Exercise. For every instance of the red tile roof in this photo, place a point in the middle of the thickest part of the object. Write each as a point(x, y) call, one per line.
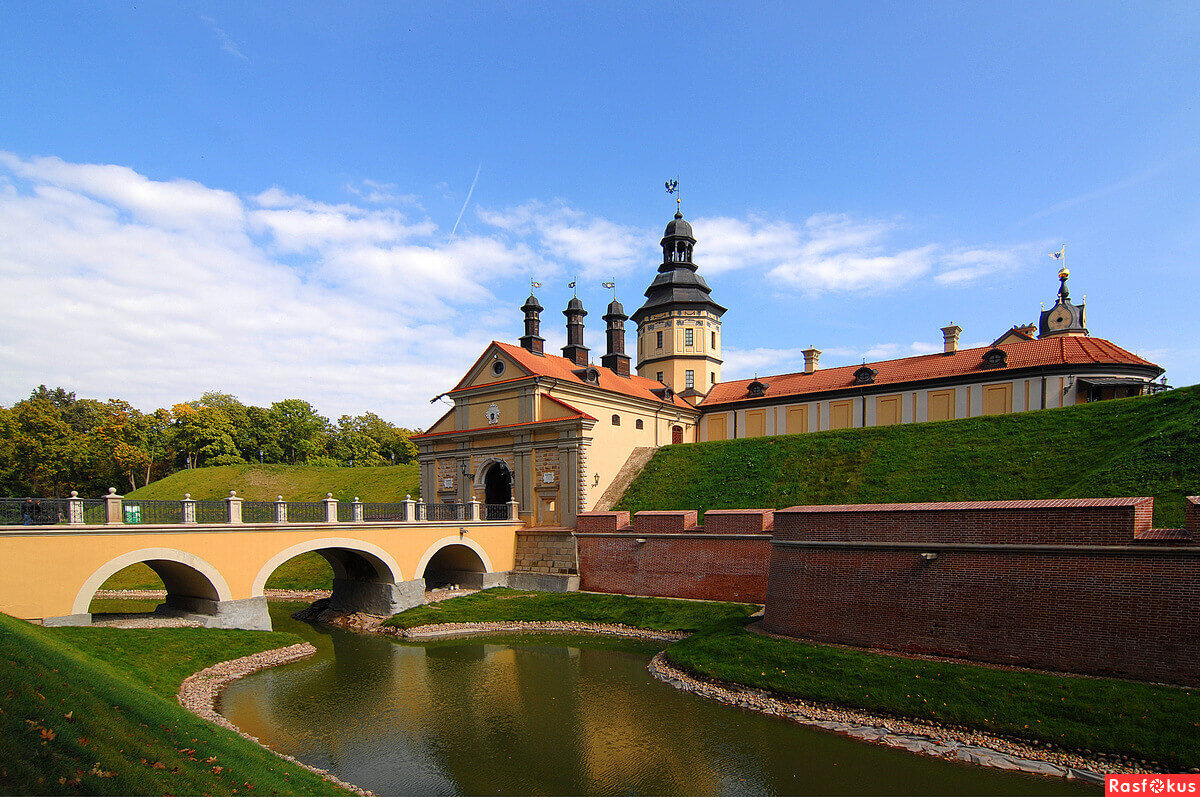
point(563, 369)
point(1023, 354)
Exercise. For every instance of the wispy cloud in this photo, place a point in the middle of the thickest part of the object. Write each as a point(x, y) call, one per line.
point(227, 43)
point(1090, 196)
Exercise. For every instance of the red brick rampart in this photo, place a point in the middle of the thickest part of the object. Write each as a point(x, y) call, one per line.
point(667, 554)
point(1081, 585)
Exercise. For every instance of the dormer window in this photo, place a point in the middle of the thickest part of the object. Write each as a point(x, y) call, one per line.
point(757, 389)
point(995, 358)
point(864, 376)
point(591, 375)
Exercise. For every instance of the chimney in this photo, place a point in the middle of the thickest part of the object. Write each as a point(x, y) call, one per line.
point(531, 340)
point(812, 358)
point(615, 359)
point(575, 351)
point(950, 337)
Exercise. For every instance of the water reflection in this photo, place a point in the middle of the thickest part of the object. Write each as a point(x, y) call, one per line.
point(526, 716)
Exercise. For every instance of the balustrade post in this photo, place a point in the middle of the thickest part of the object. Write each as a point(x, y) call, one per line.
point(513, 510)
point(114, 511)
point(473, 510)
point(280, 509)
point(233, 508)
point(330, 508)
point(356, 510)
point(75, 509)
point(422, 510)
point(188, 505)
point(408, 510)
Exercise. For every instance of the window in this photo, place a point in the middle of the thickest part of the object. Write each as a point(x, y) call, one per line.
point(616, 420)
point(638, 424)
point(659, 376)
point(689, 377)
point(712, 377)
point(714, 340)
point(498, 367)
point(689, 338)
point(659, 334)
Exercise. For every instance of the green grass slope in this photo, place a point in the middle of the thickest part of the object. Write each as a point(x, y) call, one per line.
point(1127, 447)
point(106, 722)
point(294, 482)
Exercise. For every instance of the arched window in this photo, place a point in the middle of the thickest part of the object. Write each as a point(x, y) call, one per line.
point(638, 424)
point(616, 420)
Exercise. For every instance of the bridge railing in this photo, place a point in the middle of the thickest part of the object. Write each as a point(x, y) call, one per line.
point(114, 509)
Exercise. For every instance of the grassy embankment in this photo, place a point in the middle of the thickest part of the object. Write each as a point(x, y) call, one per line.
point(265, 483)
point(1128, 447)
point(1149, 722)
point(93, 711)
point(508, 605)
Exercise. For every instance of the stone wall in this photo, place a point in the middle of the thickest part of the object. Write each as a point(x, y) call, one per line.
point(1081, 585)
point(546, 551)
point(667, 554)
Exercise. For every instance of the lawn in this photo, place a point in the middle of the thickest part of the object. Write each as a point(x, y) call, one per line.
point(507, 605)
point(1126, 447)
point(1155, 723)
point(385, 484)
point(92, 711)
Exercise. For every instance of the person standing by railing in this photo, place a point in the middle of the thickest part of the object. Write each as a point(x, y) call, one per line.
point(31, 512)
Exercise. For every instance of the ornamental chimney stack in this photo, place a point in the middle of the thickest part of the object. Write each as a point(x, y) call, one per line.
point(950, 338)
point(615, 358)
point(812, 359)
point(575, 351)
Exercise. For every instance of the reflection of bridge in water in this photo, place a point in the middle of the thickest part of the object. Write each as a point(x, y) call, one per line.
point(218, 568)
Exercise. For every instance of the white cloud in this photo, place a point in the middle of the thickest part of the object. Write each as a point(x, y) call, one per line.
point(156, 291)
point(227, 42)
point(595, 248)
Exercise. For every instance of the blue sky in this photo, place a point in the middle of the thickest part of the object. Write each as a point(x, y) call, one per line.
point(261, 199)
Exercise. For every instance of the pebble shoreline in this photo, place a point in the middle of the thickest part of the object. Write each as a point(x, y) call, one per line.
point(199, 693)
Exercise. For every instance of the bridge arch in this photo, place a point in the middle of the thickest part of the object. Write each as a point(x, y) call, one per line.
point(345, 555)
point(454, 559)
point(183, 574)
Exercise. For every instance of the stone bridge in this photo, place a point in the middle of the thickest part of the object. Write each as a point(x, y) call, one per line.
point(219, 570)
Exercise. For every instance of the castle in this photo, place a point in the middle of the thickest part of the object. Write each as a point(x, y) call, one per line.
point(552, 433)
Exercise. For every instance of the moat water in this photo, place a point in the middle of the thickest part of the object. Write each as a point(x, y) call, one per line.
point(556, 715)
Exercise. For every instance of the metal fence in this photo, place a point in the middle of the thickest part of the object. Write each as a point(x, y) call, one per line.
point(306, 511)
point(134, 510)
point(383, 512)
point(35, 512)
point(211, 512)
point(258, 511)
point(495, 512)
point(345, 512)
point(445, 512)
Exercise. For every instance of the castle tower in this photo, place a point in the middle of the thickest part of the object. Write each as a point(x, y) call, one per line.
point(615, 359)
point(531, 340)
point(1064, 318)
point(679, 326)
point(575, 351)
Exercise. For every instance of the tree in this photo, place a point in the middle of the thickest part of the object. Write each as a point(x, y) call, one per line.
point(301, 429)
point(394, 443)
point(349, 445)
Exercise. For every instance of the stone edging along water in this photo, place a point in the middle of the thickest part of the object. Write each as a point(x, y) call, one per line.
point(199, 692)
point(916, 737)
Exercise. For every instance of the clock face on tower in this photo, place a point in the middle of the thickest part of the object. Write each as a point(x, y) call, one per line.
point(1059, 319)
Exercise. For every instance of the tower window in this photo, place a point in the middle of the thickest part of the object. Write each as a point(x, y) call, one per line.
point(659, 339)
point(659, 376)
point(616, 420)
point(714, 340)
point(638, 423)
point(689, 378)
point(689, 338)
point(712, 377)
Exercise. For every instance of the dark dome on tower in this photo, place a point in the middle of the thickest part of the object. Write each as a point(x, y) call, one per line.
point(574, 304)
point(678, 227)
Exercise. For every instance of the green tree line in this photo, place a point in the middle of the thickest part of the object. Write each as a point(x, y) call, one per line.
point(52, 442)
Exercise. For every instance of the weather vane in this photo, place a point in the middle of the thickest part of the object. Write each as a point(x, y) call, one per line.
point(673, 188)
point(1061, 254)
point(533, 284)
point(571, 285)
point(613, 285)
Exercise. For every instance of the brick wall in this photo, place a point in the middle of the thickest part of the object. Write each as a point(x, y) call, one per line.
point(667, 554)
point(1048, 584)
point(546, 552)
